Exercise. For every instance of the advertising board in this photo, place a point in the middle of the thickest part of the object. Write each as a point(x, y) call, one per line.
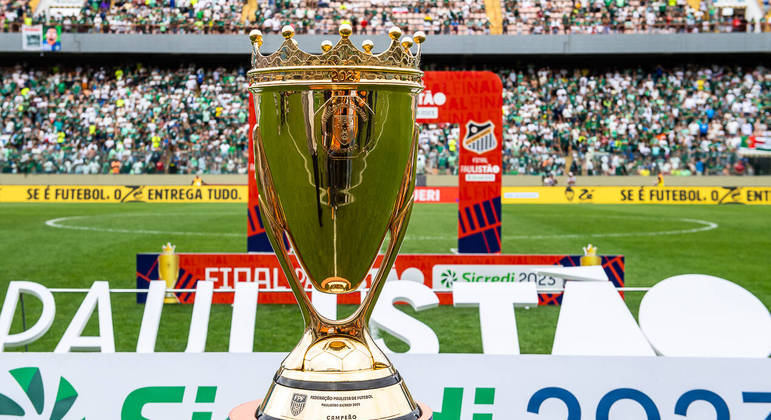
point(456, 386)
point(437, 271)
point(636, 195)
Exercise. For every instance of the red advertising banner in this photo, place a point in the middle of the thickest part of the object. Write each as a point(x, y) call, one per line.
point(436, 195)
point(472, 99)
point(437, 271)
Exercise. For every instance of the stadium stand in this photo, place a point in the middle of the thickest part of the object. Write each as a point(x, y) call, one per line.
point(228, 16)
point(13, 13)
point(618, 16)
point(150, 120)
point(679, 121)
point(673, 120)
point(376, 16)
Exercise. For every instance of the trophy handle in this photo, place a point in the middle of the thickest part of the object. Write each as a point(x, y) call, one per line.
point(397, 229)
point(275, 227)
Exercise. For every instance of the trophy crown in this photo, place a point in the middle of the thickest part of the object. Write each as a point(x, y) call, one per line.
point(168, 248)
point(338, 63)
point(256, 37)
point(590, 256)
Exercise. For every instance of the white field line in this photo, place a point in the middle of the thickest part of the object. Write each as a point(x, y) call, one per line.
point(704, 226)
point(56, 223)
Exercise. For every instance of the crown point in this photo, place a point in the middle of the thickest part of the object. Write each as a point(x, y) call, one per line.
point(345, 30)
point(398, 58)
point(256, 37)
point(395, 33)
point(419, 37)
point(368, 45)
point(287, 31)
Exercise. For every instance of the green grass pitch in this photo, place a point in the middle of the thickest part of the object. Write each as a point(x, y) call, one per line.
point(732, 242)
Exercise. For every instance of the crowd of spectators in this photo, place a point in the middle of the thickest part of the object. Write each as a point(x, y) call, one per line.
point(687, 120)
point(153, 16)
point(136, 119)
point(681, 120)
point(237, 16)
point(376, 16)
point(12, 13)
point(620, 16)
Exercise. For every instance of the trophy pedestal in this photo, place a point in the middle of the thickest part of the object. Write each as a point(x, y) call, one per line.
point(248, 411)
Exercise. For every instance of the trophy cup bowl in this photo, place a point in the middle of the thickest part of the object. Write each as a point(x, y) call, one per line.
point(335, 148)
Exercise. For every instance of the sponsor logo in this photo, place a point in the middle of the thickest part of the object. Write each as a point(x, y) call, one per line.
point(481, 170)
point(123, 194)
point(298, 403)
point(136, 401)
point(480, 138)
point(445, 275)
point(448, 277)
point(484, 401)
point(452, 403)
point(436, 194)
point(584, 194)
point(429, 98)
point(633, 195)
point(521, 195)
point(569, 193)
point(427, 113)
point(31, 382)
point(429, 103)
point(480, 178)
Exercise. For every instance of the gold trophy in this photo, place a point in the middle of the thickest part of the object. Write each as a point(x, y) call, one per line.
point(168, 270)
point(590, 256)
point(335, 148)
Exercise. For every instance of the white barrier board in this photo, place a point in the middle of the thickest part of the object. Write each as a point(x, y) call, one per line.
point(180, 386)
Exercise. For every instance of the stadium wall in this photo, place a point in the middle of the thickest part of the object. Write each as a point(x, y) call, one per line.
point(495, 45)
point(431, 180)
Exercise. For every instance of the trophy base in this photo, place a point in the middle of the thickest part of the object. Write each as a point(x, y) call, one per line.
point(299, 395)
point(249, 411)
